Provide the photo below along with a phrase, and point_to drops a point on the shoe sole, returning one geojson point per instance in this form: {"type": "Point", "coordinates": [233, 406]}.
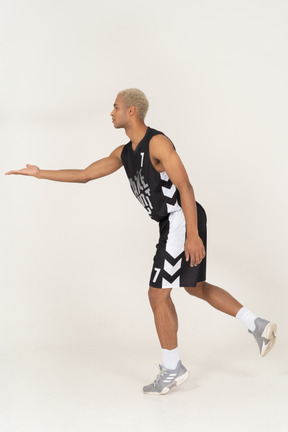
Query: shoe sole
{"type": "Point", "coordinates": [269, 334]}
{"type": "Point", "coordinates": [178, 381]}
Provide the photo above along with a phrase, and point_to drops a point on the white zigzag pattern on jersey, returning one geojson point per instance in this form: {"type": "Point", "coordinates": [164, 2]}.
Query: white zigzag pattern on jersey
{"type": "Point", "coordinates": [169, 268]}
{"type": "Point", "coordinates": [169, 192]}
{"type": "Point", "coordinates": [164, 176]}
{"type": "Point", "coordinates": [171, 208]}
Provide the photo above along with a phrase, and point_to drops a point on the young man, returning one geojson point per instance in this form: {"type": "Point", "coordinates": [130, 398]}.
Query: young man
{"type": "Point", "coordinates": [160, 182]}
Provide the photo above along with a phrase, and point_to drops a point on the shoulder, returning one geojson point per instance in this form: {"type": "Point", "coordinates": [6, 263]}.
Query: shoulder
{"type": "Point", "coordinates": [161, 144]}
{"type": "Point", "coordinates": [118, 151]}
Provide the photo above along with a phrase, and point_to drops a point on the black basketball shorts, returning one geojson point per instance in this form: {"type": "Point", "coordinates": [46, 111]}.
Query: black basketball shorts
{"type": "Point", "coordinates": [170, 268]}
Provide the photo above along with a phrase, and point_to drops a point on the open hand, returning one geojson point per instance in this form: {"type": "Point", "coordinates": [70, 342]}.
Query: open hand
{"type": "Point", "coordinates": [31, 170]}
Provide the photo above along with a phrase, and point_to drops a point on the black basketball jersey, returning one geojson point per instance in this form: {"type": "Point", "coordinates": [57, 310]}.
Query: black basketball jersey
{"type": "Point", "coordinates": [154, 190]}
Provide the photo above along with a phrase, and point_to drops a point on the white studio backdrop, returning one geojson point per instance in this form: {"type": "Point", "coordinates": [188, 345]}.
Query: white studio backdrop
{"type": "Point", "coordinates": [76, 259]}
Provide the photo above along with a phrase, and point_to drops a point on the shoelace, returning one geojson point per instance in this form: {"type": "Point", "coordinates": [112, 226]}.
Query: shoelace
{"type": "Point", "coordinates": [158, 377]}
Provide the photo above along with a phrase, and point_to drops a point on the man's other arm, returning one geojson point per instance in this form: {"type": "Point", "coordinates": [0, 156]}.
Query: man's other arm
{"type": "Point", "coordinates": [163, 151]}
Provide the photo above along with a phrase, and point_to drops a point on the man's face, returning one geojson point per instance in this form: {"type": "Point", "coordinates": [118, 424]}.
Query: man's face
{"type": "Point", "coordinates": [120, 113]}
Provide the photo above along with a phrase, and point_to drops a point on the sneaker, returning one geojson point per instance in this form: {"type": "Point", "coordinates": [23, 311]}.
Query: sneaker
{"type": "Point", "coordinates": [264, 334]}
{"type": "Point", "coordinates": [166, 379]}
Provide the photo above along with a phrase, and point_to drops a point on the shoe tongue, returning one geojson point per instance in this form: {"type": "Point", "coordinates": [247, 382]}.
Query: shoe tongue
{"type": "Point", "coordinates": [163, 368]}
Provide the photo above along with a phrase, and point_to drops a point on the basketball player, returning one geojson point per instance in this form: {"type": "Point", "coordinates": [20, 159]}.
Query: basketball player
{"type": "Point", "coordinates": [160, 182]}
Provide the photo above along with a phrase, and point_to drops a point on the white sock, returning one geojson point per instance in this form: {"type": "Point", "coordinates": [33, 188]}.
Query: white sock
{"type": "Point", "coordinates": [170, 358]}
{"type": "Point", "coordinates": [247, 318]}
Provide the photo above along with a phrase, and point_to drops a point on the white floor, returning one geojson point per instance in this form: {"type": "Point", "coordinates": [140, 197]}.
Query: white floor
{"type": "Point", "coordinates": [82, 388]}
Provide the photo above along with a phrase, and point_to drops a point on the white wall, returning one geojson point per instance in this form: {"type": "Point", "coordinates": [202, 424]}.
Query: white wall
{"type": "Point", "coordinates": [76, 259]}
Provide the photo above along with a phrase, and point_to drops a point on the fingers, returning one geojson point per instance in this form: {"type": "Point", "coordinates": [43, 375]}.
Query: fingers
{"type": "Point", "coordinates": [195, 263]}
{"type": "Point", "coordinates": [11, 172]}
{"type": "Point", "coordinates": [196, 252]}
{"type": "Point", "coordinates": [15, 172]}
{"type": "Point", "coordinates": [195, 259]}
{"type": "Point", "coordinates": [23, 171]}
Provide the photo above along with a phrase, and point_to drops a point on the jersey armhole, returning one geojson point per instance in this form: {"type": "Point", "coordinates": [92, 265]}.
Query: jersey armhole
{"type": "Point", "coordinates": [124, 150]}
{"type": "Point", "coordinates": [160, 133]}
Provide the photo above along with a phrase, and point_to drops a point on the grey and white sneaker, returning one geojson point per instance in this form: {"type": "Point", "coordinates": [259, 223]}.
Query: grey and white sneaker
{"type": "Point", "coordinates": [264, 334]}
{"type": "Point", "coordinates": [166, 379]}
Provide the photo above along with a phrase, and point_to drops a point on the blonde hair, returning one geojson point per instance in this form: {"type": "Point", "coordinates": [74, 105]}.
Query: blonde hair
{"type": "Point", "coordinates": [135, 97]}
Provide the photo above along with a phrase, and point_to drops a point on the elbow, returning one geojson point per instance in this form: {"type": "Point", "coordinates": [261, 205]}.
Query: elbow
{"type": "Point", "coordinates": [84, 177]}
{"type": "Point", "coordinates": [86, 180]}
{"type": "Point", "coordinates": [186, 185]}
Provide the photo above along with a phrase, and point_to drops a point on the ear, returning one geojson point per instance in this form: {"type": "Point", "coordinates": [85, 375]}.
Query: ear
{"type": "Point", "coordinates": [132, 110]}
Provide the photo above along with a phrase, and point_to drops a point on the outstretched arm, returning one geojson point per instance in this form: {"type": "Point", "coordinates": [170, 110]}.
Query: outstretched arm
{"type": "Point", "coordinates": [97, 169]}
{"type": "Point", "coordinates": [162, 150]}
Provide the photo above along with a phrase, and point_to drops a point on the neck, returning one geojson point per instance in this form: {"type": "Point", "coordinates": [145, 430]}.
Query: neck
{"type": "Point", "coordinates": [136, 132]}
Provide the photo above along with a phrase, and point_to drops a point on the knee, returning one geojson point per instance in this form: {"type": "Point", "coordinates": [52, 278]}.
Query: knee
{"type": "Point", "coordinates": [158, 296]}
{"type": "Point", "coordinates": [202, 287]}
{"type": "Point", "coordinates": [200, 290]}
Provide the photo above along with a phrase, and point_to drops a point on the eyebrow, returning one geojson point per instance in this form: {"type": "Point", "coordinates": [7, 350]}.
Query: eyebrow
{"type": "Point", "coordinates": [115, 105]}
